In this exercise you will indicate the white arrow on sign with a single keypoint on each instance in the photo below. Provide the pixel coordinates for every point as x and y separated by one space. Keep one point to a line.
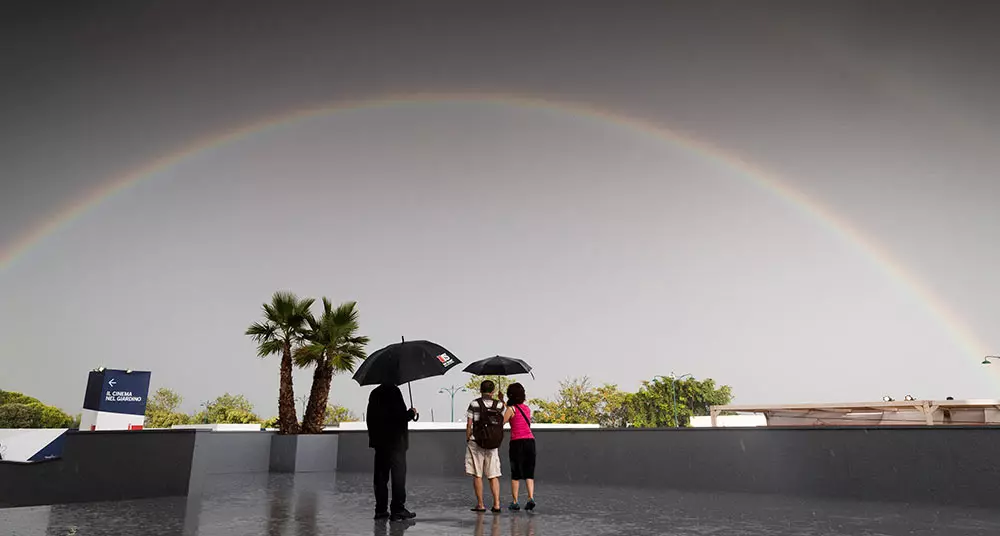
111 382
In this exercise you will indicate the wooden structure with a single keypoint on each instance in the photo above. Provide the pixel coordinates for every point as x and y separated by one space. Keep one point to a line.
894 413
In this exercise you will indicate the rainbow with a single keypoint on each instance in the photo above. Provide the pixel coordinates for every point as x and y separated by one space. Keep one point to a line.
765 180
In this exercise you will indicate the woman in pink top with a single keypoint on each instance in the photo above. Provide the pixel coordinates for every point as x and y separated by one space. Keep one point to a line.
522 445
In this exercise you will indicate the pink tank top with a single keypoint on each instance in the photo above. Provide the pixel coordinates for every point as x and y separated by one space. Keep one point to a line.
519 428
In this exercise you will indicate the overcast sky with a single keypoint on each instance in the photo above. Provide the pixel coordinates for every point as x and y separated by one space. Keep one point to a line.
584 247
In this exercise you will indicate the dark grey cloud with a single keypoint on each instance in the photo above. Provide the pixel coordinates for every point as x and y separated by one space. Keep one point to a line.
583 247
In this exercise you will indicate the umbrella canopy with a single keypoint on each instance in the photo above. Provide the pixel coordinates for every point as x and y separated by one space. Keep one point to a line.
404 362
499 366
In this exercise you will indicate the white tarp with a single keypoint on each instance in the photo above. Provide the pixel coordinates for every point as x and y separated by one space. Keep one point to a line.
20 444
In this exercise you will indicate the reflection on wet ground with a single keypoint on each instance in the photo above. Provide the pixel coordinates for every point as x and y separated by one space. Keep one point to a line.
327 504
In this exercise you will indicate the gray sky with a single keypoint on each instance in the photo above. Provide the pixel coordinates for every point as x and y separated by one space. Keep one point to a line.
583 247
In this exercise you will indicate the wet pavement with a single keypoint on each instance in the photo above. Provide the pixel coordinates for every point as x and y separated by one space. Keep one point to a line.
326 504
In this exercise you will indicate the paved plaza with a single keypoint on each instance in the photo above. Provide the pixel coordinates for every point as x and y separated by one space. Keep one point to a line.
327 504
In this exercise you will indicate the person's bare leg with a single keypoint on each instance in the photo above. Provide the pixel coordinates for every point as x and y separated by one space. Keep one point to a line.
531 488
477 484
513 488
495 490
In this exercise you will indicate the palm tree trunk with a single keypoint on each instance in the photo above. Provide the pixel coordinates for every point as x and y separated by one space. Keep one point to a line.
288 422
319 395
311 422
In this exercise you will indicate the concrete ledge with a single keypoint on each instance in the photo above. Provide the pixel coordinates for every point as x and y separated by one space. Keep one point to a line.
234 452
932 465
104 466
424 426
304 453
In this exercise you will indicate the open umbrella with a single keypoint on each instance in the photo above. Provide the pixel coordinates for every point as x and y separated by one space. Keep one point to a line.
404 362
499 366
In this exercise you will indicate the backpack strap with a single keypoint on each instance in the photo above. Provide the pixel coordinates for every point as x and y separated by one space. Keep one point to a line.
523 416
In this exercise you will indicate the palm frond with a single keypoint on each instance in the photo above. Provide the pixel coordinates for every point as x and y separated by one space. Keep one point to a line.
270 347
343 362
261 331
308 355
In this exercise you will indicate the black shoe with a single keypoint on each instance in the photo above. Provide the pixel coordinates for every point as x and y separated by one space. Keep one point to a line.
381 515
401 515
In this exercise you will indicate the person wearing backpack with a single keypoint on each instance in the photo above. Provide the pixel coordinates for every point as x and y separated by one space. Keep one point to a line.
483 437
522 445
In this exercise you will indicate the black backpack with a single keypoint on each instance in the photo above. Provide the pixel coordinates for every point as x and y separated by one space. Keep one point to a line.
488 430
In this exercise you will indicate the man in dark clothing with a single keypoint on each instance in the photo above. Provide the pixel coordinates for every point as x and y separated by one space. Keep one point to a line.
388 434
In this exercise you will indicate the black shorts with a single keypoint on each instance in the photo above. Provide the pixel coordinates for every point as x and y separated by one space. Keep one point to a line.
522 459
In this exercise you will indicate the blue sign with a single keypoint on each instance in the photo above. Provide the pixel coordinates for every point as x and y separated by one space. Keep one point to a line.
117 391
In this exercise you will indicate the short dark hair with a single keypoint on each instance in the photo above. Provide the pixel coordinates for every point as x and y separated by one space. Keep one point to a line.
487 386
515 394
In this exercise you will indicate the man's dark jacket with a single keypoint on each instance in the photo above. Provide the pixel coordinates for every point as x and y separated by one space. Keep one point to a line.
387 418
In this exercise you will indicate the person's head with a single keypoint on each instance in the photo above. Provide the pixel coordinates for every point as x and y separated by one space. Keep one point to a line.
487 387
515 394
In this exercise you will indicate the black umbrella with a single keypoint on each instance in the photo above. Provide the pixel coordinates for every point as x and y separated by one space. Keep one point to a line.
404 362
499 366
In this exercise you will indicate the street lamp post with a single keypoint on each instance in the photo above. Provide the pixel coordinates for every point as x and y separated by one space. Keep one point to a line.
451 391
673 391
986 360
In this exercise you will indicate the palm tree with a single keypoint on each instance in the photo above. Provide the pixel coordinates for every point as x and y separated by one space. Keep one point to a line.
282 329
332 346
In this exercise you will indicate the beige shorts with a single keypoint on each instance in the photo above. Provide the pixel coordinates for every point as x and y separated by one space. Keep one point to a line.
480 462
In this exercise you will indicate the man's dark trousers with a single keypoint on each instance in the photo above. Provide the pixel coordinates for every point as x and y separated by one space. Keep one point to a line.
390 462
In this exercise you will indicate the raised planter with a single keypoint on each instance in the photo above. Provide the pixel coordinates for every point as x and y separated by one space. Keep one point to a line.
304 453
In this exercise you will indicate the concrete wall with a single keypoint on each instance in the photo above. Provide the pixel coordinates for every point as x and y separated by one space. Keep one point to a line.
234 452
933 465
104 466
304 453
941 465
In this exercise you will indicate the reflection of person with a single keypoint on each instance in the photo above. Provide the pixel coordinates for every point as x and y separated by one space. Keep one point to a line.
522 445
484 416
384 528
517 530
388 434
481 527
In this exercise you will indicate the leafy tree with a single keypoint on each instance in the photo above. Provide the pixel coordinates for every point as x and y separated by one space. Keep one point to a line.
613 407
22 411
331 346
11 397
578 402
653 404
228 409
53 417
165 400
19 415
338 414
163 410
280 332
162 419
502 382
269 423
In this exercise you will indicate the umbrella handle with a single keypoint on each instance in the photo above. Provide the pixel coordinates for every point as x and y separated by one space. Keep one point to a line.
410 389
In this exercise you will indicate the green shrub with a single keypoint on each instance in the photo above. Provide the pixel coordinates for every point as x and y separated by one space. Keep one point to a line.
21 411
20 415
165 419
11 397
